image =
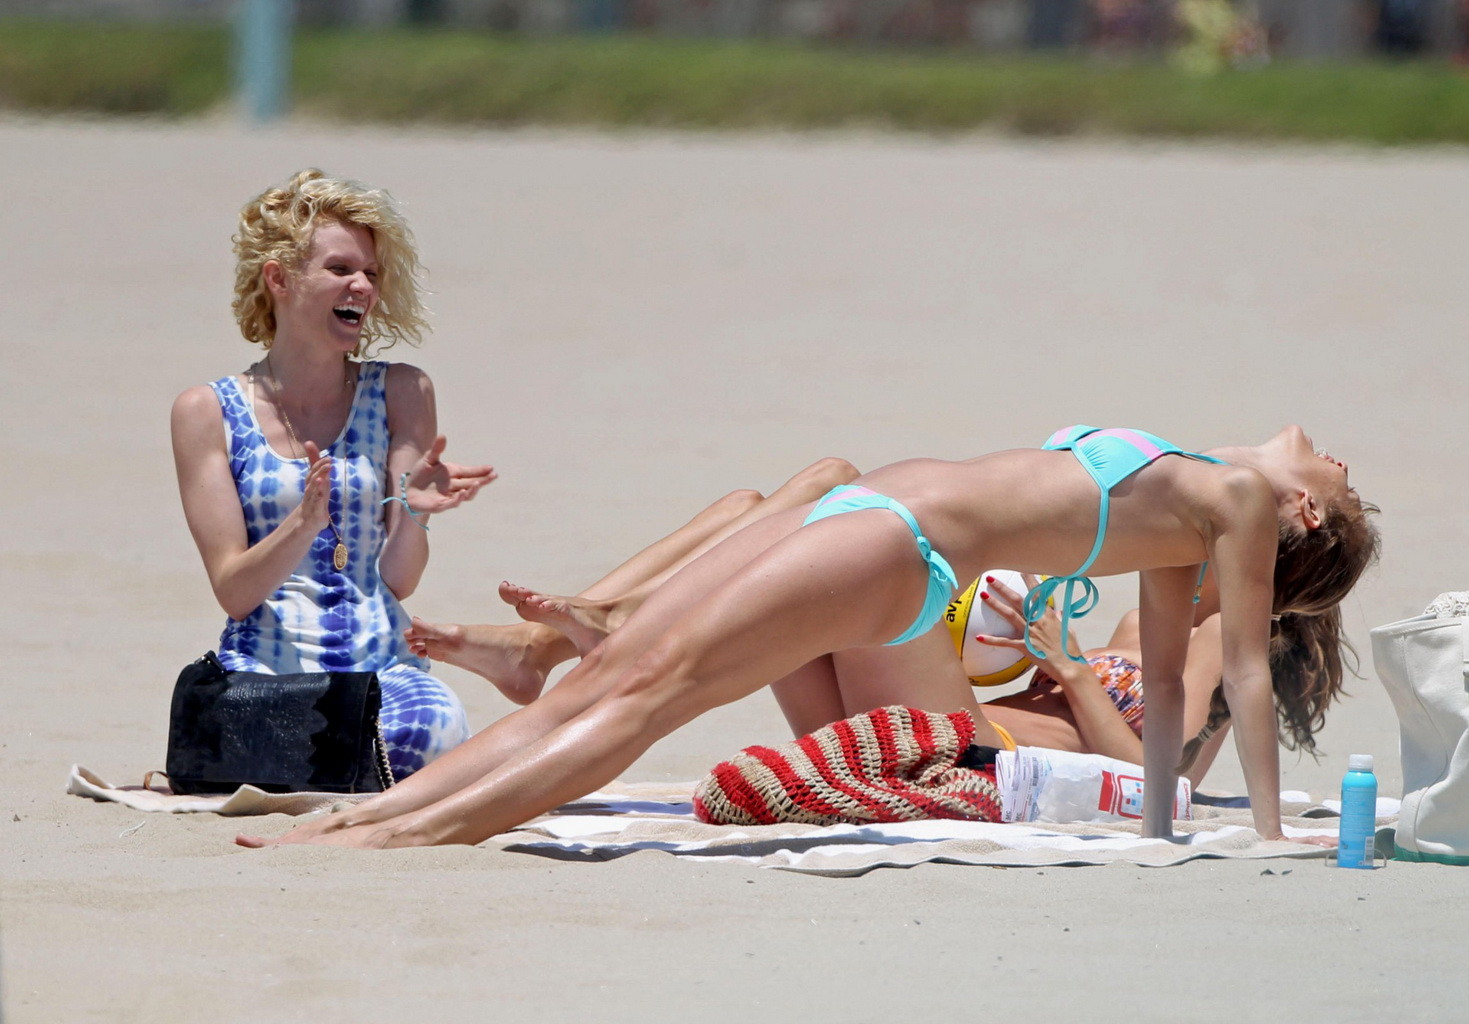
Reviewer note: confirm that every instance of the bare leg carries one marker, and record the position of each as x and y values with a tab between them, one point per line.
589	617
679	546
483	752
691	647
518	658
923	673
802	489
582	622
810	697
1127	636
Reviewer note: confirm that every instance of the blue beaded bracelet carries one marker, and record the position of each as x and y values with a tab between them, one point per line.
403	500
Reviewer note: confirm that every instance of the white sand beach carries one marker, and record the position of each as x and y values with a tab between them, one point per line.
628	326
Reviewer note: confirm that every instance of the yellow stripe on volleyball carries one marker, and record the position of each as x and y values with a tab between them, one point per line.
984	664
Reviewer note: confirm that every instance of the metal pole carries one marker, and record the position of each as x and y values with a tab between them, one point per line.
263	57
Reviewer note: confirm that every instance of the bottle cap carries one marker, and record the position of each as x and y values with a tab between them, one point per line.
1359	763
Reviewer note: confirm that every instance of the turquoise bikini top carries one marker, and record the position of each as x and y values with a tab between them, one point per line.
1110	455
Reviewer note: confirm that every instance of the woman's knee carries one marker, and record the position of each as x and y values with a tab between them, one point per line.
421	717
824	474
648	671
737	503
1127	632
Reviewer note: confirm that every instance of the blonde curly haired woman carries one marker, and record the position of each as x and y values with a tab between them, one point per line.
308	479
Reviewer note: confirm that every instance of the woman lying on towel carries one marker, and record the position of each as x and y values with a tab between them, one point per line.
779	602
284	468
1064	708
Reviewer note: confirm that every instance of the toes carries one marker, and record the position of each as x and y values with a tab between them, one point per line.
546	605
426	630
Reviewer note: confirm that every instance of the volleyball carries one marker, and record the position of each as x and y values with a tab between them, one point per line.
967	616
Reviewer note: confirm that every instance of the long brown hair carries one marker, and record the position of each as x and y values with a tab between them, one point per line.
1314	572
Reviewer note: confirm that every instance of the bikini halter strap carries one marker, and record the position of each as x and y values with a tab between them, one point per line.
1073	605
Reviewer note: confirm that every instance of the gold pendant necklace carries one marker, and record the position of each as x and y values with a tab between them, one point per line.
339	553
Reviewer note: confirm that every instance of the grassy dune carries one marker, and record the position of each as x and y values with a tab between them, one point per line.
469	78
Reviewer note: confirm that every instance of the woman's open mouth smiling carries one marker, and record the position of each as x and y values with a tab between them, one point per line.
350	313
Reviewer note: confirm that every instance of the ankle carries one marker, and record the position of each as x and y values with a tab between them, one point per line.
545	647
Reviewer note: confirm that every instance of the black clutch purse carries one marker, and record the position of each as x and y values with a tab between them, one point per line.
311	731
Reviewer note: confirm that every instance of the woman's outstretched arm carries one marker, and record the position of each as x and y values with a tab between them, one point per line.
1201	676
1243	556
1103	729
1165	616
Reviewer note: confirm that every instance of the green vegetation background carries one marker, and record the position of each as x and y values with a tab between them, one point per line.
467	78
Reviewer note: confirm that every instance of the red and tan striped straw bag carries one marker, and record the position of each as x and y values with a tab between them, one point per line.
892	764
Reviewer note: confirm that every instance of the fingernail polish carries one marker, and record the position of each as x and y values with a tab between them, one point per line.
984	595
989	579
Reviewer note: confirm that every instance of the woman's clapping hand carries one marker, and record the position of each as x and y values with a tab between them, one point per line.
316	491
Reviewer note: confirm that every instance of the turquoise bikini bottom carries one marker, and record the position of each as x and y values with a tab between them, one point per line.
941	579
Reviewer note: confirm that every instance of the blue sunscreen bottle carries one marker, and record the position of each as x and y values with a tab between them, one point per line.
1358	814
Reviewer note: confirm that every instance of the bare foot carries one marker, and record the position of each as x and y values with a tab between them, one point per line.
515	658
585	623
363	836
358	836
306	832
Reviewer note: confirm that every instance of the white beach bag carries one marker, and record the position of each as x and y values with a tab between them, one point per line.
1424	663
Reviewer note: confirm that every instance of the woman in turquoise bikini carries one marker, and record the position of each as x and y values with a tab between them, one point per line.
1096	707
1278	522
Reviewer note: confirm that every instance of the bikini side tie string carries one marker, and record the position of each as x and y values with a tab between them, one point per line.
938	566
1072	607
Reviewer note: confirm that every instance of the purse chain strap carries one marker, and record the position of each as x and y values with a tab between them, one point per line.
380	746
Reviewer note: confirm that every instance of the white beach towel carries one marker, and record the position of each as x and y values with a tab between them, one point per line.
634	817
243	801
630	818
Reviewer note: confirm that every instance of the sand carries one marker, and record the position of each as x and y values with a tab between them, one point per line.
629	326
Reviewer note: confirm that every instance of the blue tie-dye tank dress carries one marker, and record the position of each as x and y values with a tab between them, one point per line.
322	619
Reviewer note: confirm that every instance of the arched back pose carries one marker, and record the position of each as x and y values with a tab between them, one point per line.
297	475
1096	706
1278	523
